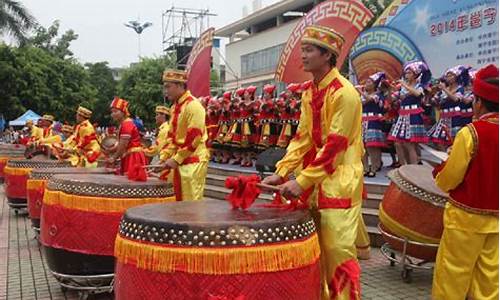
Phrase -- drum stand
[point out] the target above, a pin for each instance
(19, 208)
(86, 285)
(408, 263)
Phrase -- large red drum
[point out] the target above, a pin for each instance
(37, 183)
(7, 152)
(16, 176)
(206, 250)
(80, 218)
(412, 208)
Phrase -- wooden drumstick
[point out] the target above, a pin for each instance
(268, 187)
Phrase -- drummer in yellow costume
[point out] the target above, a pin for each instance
(85, 139)
(185, 153)
(162, 113)
(49, 138)
(329, 144)
(36, 133)
(467, 259)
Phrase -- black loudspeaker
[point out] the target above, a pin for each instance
(266, 161)
(183, 55)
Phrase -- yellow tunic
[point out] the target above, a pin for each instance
(186, 144)
(160, 142)
(335, 177)
(36, 133)
(467, 259)
(86, 144)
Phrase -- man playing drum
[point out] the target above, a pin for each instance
(185, 153)
(129, 149)
(161, 117)
(467, 259)
(328, 144)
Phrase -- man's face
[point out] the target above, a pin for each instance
(172, 90)
(409, 75)
(160, 118)
(117, 114)
(313, 59)
(67, 134)
(450, 78)
(79, 118)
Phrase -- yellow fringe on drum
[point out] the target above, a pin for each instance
(218, 261)
(97, 204)
(401, 230)
(16, 171)
(35, 184)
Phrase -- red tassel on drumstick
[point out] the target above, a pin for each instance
(246, 189)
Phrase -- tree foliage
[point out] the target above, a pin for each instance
(40, 76)
(15, 19)
(101, 78)
(141, 85)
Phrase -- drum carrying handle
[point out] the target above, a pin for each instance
(53, 230)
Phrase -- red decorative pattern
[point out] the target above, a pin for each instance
(191, 135)
(15, 186)
(348, 273)
(35, 197)
(79, 231)
(132, 283)
(334, 145)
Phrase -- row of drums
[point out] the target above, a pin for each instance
(100, 231)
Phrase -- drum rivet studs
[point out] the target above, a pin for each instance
(269, 230)
(256, 235)
(260, 230)
(212, 233)
(174, 236)
(300, 234)
(162, 230)
(156, 234)
(232, 230)
(200, 244)
(148, 233)
(293, 227)
(171, 231)
(242, 230)
(190, 232)
(294, 237)
(278, 239)
(143, 238)
(277, 229)
(281, 233)
(265, 235)
(184, 237)
(274, 234)
(205, 237)
(134, 225)
(269, 239)
(217, 237)
(286, 238)
(285, 228)
(152, 240)
(201, 233)
(154, 228)
(160, 240)
(181, 232)
(235, 242)
(195, 237)
(189, 243)
(261, 241)
(212, 243)
(247, 235)
(252, 230)
(179, 242)
(223, 243)
(228, 237)
(222, 232)
(165, 235)
(170, 242)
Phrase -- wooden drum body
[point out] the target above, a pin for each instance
(8, 152)
(412, 208)
(80, 218)
(37, 182)
(205, 250)
(16, 177)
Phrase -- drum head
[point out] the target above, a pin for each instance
(109, 142)
(47, 173)
(421, 177)
(215, 223)
(106, 185)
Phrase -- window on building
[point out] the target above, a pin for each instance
(260, 62)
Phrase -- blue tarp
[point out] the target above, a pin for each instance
(28, 115)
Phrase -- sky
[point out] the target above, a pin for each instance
(102, 35)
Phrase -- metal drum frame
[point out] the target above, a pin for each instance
(408, 263)
(86, 285)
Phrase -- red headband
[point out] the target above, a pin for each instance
(483, 89)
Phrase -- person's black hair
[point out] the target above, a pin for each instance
(333, 58)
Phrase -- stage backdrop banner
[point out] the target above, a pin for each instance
(347, 17)
(443, 33)
(198, 65)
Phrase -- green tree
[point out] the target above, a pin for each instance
(141, 85)
(15, 19)
(101, 77)
(46, 38)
